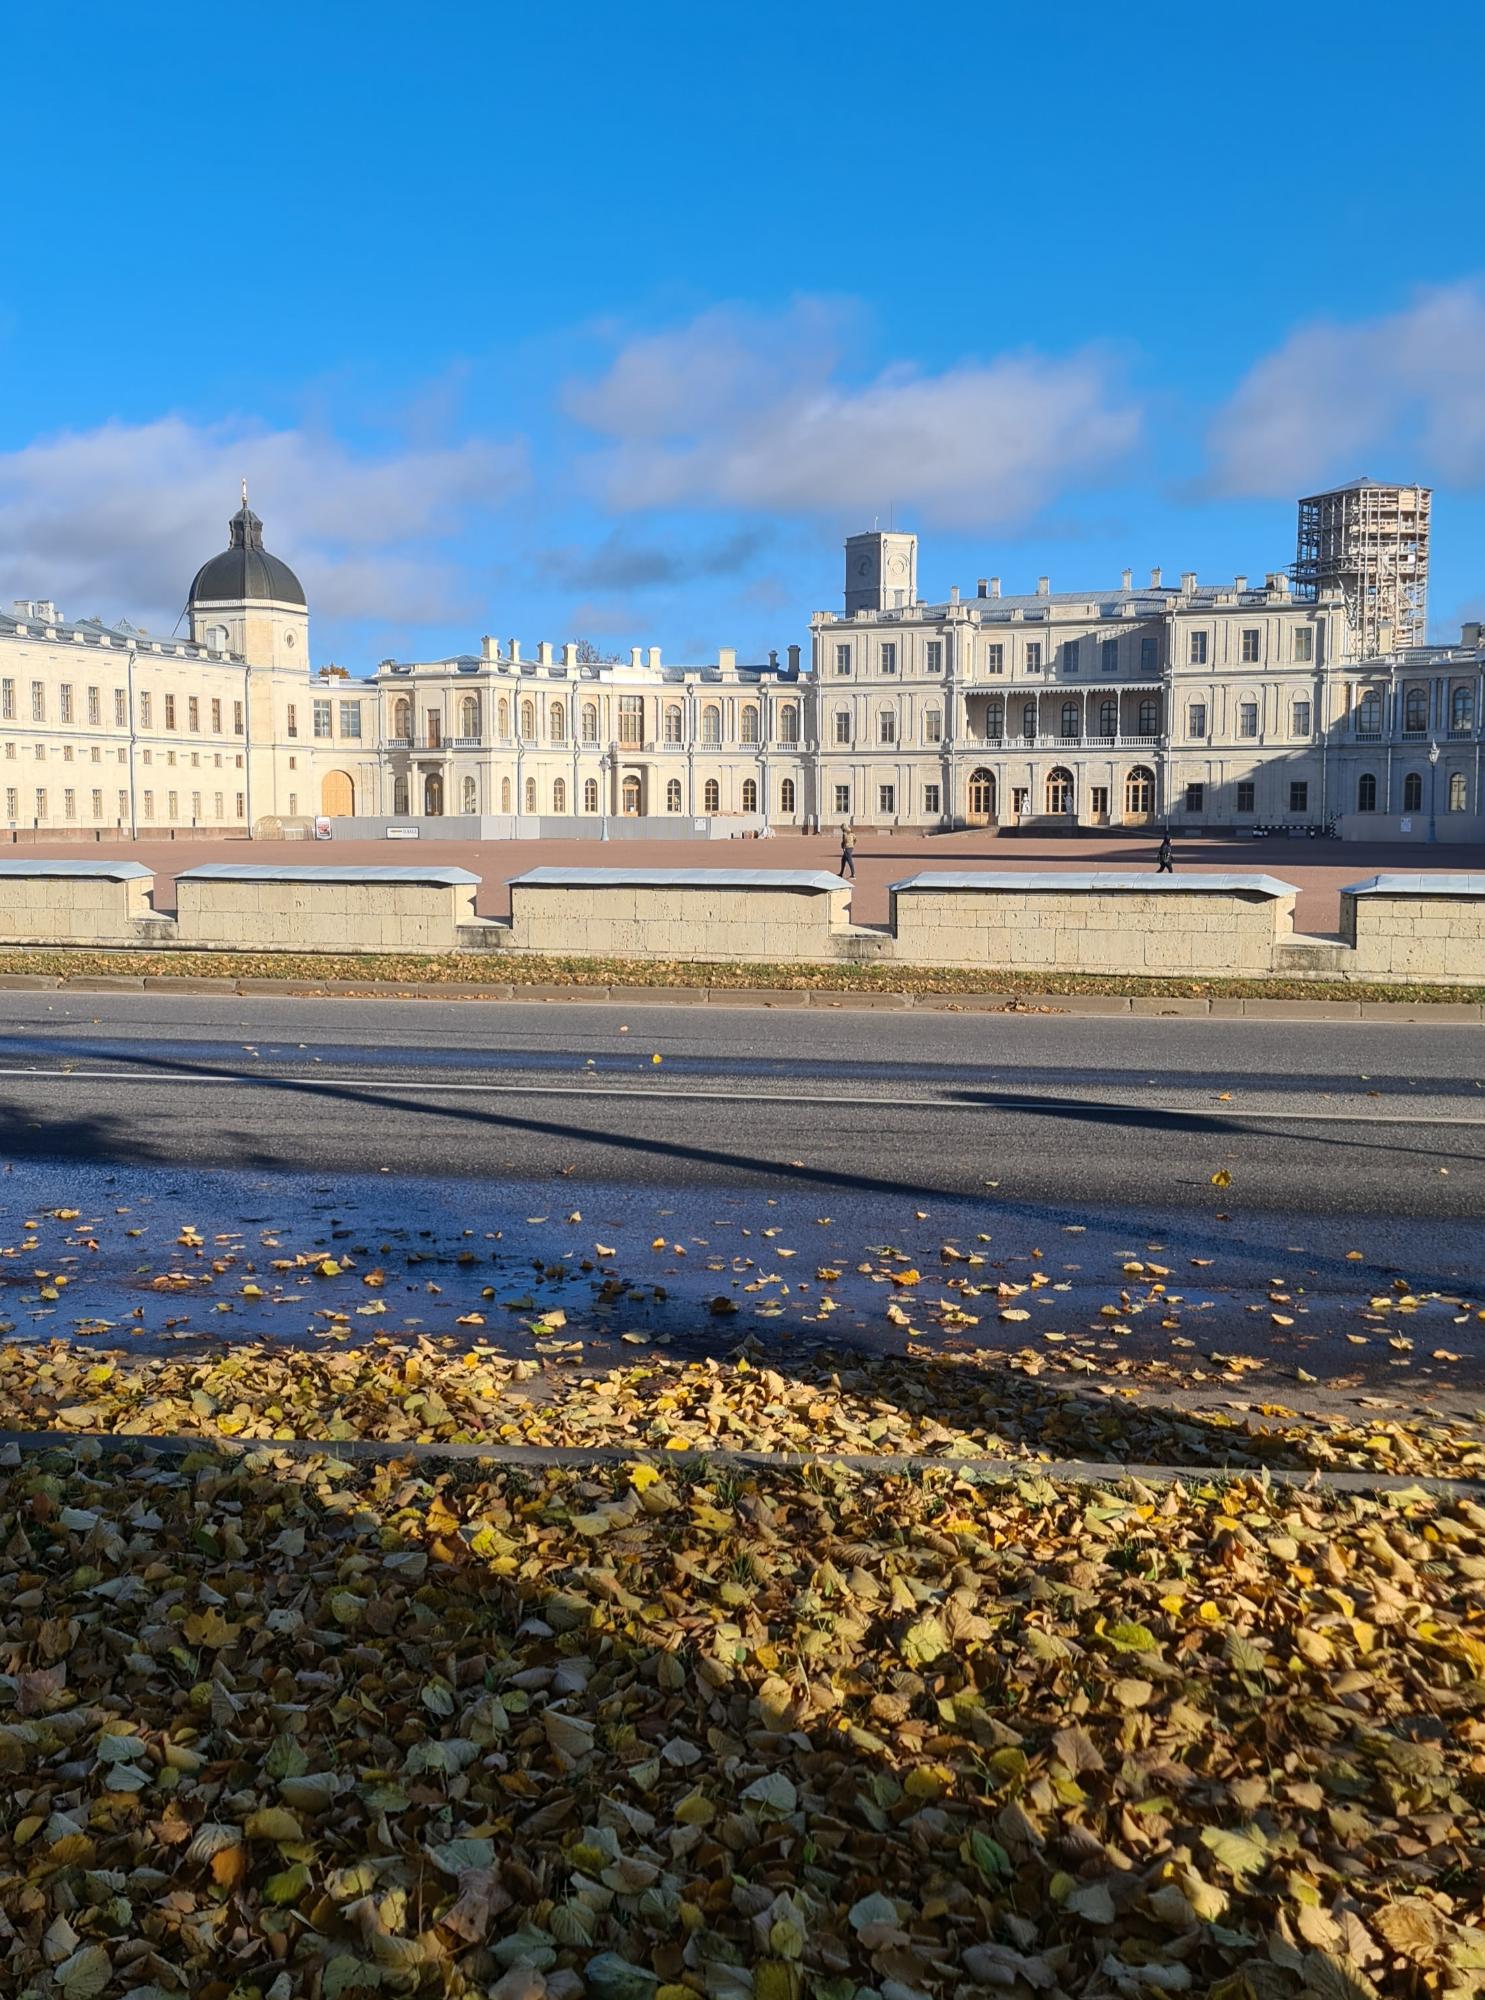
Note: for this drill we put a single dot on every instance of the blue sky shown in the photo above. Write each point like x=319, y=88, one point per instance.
x=613, y=322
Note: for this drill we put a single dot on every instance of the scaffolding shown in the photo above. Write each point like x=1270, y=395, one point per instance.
x=1369, y=542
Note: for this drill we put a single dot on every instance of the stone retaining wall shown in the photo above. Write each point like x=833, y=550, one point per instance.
x=746, y=915
x=73, y=902
x=247, y=908
x=1416, y=928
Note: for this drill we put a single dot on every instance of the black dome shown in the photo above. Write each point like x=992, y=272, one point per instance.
x=245, y=571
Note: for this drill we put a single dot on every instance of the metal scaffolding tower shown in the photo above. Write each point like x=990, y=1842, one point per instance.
x=1370, y=542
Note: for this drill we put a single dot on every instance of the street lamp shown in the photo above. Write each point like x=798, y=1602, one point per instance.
x=1433, y=771
x=605, y=765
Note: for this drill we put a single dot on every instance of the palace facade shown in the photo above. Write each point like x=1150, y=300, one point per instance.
x=1233, y=704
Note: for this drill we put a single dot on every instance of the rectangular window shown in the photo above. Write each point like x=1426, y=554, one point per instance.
x=95, y=712
x=146, y=710
x=148, y=805
x=69, y=804
x=237, y=718
x=889, y=656
x=170, y=711
x=842, y=798
x=886, y=727
x=933, y=727
x=1301, y=718
x=1299, y=796
x=1248, y=718
x=631, y=720
x=97, y=805
x=1149, y=658
x=1251, y=638
x=240, y=804
x=842, y=725
x=172, y=805
x=1100, y=796
x=95, y=754
x=195, y=807
x=1195, y=798
x=216, y=717
x=120, y=708
x=193, y=714
x=216, y=807
x=1245, y=796
x=12, y=802
x=1034, y=656
x=1069, y=656
x=64, y=697
x=292, y=726
x=930, y=799
x=123, y=807
x=887, y=800
x=7, y=702
x=38, y=701
x=321, y=719
x=1109, y=655
x=1304, y=643
x=41, y=802
x=350, y=719
x=842, y=659
x=1198, y=654
x=147, y=756
x=995, y=658
x=935, y=656
x=1198, y=719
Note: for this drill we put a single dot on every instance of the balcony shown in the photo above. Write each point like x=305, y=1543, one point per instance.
x=1018, y=742
x=466, y=742
x=1461, y=732
x=399, y=743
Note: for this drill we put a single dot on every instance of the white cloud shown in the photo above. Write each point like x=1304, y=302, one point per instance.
x=117, y=519
x=1333, y=398
x=739, y=409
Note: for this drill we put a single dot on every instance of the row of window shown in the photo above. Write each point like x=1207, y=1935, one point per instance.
x=146, y=806
x=631, y=721
x=67, y=707
x=1071, y=720
x=631, y=796
x=1070, y=653
x=1247, y=719
x=146, y=756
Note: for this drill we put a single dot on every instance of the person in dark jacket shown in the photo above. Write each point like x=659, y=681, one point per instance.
x=1166, y=865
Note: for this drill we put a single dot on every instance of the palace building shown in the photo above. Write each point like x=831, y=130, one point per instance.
x=1231, y=705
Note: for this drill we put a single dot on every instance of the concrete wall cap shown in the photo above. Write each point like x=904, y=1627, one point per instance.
x=676, y=878
x=250, y=871
x=83, y=871
x=1417, y=885
x=1093, y=879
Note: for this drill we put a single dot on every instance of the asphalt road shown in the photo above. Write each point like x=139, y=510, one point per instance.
x=1046, y=1143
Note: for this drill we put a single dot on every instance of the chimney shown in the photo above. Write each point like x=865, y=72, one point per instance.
x=793, y=659
x=1188, y=582
x=1240, y=583
x=655, y=658
x=569, y=653
x=489, y=648
x=515, y=652
x=636, y=656
x=995, y=586
x=1126, y=579
x=1155, y=576
x=953, y=593
x=544, y=652
x=727, y=659
x=1043, y=585
x=773, y=659
x=982, y=587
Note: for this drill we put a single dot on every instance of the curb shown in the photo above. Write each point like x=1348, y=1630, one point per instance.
x=984, y=1471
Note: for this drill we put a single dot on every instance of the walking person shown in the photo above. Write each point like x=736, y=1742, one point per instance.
x=1166, y=864
x=847, y=853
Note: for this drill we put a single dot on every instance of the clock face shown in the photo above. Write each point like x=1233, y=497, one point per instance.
x=863, y=568
x=899, y=566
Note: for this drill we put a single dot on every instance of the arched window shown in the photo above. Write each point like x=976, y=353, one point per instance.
x=433, y=795
x=789, y=723
x=1149, y=720
x=1461, y=710
x=590, y=725
x=1071, y=721
x=531, y=795
x=559, y=795
x=982, y=793
x=995, y=720
x=502, y=719
x=673, y=795
x=672, y=722
x=1415, y=709
x=469, y=796
x=1108, y=718
x=590, y=795
x=1028, y=720
x=399, y=795
x=469, y=715
x=1459, y=800
x=1413, y=792
x=749, y=723
x=1059, y=790
x=557, y=721
x=786, y=795
x=528, y=719
x=711, y=796
x=505, y=795
x=1139, y=791
x=631, y=796
x=711, y=724
x=1366, y=792
x=1369, y=712
x=402, y=720
x=750, y=795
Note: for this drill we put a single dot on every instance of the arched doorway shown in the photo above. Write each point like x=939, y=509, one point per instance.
x=1139, y=793
x=433, y=795
x=982, y=794
x=337, y=795
x=1059, y=790
x=631, y=797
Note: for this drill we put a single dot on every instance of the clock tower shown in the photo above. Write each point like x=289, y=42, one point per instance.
x=881, y=572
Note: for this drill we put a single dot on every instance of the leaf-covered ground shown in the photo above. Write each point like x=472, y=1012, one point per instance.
x=502, y=968
x=968, y=1406
x=274, y=1728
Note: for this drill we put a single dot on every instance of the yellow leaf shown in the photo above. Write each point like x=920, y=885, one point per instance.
x=1222, y=1178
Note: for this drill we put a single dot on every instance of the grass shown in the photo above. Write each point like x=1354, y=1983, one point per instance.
x=522, y=969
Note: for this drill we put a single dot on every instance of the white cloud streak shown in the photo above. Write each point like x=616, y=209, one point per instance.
x=118, y=518
x=743, y=410
x=1333, y=399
